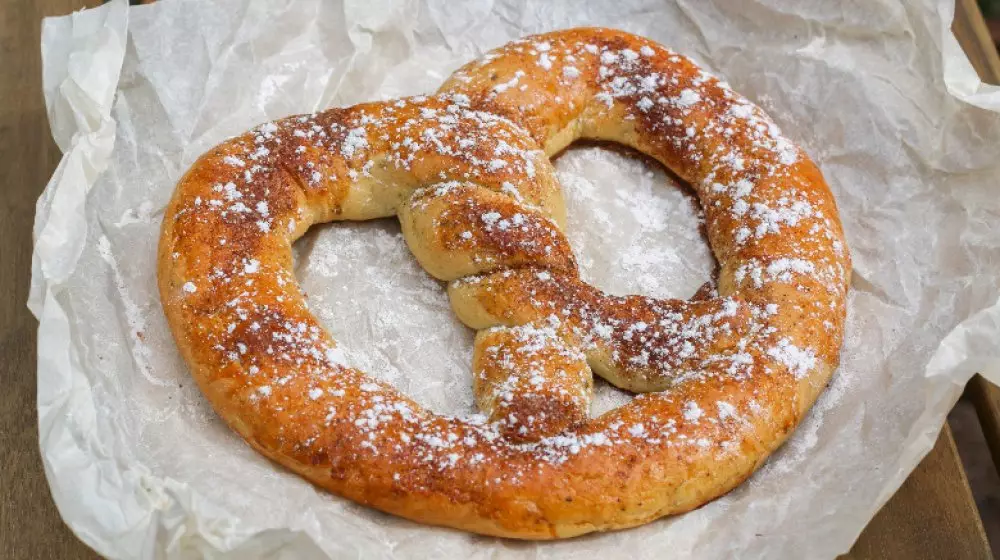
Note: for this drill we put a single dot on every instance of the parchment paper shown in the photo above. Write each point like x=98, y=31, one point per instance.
x=139, y=465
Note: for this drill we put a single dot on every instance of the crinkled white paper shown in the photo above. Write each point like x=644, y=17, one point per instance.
x=140, y=466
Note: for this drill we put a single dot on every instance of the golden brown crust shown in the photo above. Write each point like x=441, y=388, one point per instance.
x=734, y=372
x=531, y=379
x=458, y=229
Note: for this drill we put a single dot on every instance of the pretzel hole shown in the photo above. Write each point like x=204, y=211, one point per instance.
x=663, y=252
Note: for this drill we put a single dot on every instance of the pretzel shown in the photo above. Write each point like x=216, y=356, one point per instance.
x=724, y=378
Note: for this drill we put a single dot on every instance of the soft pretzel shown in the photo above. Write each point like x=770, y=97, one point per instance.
x=726, y=377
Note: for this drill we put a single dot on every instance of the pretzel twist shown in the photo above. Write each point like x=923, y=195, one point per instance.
x=726, y=377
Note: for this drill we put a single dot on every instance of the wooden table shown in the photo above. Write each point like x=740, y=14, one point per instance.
x=932, y=516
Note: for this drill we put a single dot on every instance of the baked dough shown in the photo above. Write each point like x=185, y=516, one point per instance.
x=724, y=377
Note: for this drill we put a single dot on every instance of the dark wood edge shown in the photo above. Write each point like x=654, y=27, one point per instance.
x=986, y=397
x=932, y=516
x=973, y=35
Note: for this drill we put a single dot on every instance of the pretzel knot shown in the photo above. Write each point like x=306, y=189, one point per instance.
x=725, y=376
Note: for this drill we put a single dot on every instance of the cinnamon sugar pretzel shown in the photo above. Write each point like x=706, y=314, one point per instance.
x=724, y=378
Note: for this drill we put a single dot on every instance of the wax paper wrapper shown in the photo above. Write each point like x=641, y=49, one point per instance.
x=140, y=467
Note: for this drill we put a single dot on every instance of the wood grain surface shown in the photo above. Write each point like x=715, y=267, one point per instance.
x=932, y=516
x=30, y=526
